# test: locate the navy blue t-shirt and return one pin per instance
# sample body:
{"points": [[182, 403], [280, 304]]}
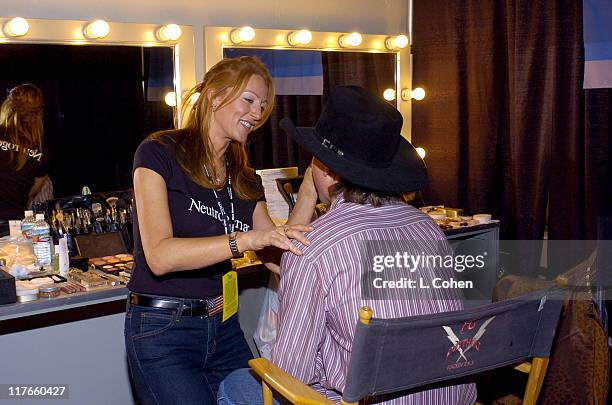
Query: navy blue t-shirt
{"points": [[15, 185], [194, 213]]}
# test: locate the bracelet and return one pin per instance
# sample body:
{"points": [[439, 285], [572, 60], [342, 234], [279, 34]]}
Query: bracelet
{"points": [[234, 245]]}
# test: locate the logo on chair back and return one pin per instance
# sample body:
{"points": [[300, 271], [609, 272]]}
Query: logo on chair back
{"points": [[463, 346]]}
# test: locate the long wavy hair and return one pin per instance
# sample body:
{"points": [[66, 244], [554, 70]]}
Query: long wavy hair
{"points": [[226, 80], [21, 120]]}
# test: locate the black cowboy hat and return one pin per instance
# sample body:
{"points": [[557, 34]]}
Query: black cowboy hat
{"points": [[358, 137]]}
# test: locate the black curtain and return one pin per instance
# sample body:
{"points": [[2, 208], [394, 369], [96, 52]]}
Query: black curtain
{"points": [[271, 147], [506, 124]]}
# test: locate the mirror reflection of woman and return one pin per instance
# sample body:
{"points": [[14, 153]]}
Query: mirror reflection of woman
{"points": [[23, 163], [198, 204]]}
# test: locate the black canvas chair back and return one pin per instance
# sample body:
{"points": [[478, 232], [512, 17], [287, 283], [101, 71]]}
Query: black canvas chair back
{"points": [[404, 353]]}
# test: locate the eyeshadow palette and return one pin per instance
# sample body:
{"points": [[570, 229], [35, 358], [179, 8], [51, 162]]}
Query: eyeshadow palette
{"points": [[71, 288], [114, 264], [90, 279], [47, 279]]}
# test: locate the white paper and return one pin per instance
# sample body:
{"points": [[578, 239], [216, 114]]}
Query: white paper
{"points": [[64, 258], [14, 228], [277, 206]]}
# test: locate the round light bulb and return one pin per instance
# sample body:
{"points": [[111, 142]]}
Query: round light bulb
{"points": [[97, 29], [17, 27], [401, 41], [389, 94], [301, 37], [247, 34], [421, 152], [170, 99], [244, 34], [169, 32], [353, 39], [418, 93], [398, 42]]}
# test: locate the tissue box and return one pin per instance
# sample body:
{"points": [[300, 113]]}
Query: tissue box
{"points": [[7, 288]]}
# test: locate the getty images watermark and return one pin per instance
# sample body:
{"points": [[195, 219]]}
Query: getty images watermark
{"points": [[412, 263], [471, 268], [424, 269]]}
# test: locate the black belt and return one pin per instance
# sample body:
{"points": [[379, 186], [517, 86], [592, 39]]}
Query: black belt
{"points": [[190, 307]]}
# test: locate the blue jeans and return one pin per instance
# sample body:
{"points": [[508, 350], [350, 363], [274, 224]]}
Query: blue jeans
{"points": [[241, 388], [177, 359]]}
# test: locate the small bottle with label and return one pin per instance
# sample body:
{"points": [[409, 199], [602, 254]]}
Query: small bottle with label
{"points": [[41, 241], [27, 224]]}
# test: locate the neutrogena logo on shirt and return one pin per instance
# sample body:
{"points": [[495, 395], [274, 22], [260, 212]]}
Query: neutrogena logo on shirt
{"points": [[33, 153], [213, 213]]}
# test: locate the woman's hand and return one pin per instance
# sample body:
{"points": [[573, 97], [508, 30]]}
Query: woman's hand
{"points": [[279, 237]]}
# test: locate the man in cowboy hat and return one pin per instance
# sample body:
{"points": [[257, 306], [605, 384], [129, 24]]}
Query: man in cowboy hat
{"points": [[361, 166]]}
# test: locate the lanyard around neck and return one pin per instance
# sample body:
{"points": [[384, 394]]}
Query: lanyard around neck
{"points": [[225, 218]]}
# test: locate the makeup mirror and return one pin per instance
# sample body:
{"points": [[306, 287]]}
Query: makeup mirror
{"points": [[304, 74], [102, 95]]}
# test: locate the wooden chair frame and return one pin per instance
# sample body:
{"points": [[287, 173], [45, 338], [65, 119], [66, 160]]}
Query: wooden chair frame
{"points": [[276, 379]]}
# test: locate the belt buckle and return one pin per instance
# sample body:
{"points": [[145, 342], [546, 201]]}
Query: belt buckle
{"points": [[196, 308], [134, 299]]}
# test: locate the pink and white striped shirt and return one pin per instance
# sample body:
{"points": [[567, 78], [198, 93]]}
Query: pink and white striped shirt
{"points": [[320, 295]]}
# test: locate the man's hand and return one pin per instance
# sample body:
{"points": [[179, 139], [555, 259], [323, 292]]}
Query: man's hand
{"points": [[307, 190]]}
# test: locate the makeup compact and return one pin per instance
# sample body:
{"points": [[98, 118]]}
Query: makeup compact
{"points": [[48, 291], [113, 264]]}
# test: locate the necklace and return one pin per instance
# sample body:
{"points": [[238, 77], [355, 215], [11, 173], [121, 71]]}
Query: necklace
{"points": [[225, 218], [218, 178]]}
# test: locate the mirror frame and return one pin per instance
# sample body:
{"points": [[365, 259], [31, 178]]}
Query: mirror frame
{"points": [[216, 39], [70, 32]]}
